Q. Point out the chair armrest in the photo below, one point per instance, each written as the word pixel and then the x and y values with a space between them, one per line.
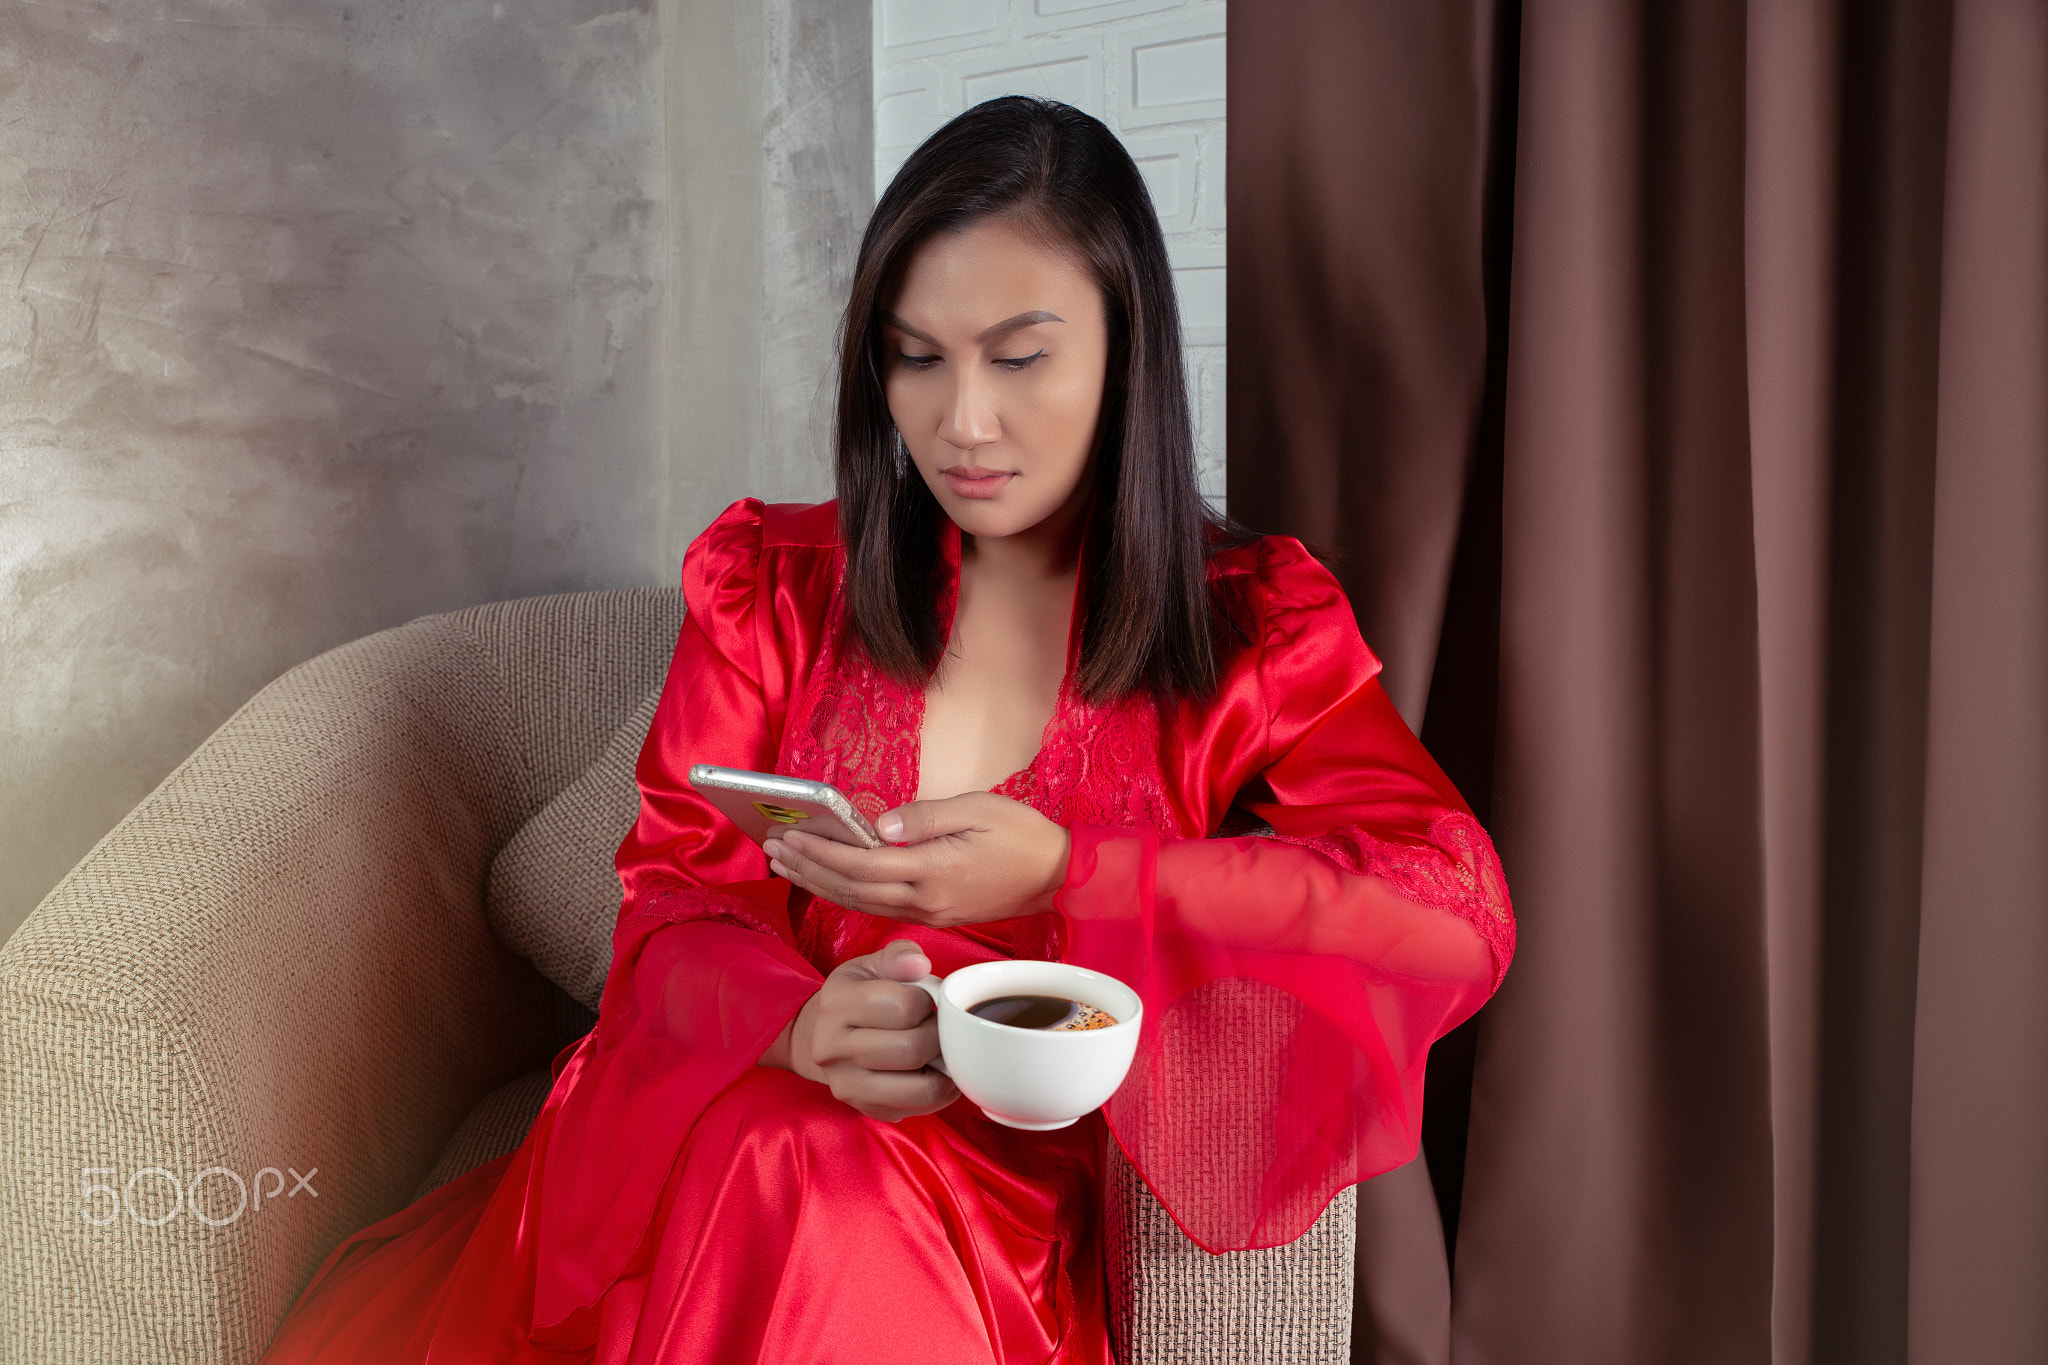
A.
pixel 279 960
pixel 1171 1301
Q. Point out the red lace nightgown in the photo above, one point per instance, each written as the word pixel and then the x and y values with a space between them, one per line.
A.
pixel 675 1202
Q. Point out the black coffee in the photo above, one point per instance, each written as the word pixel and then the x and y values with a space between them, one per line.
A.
pixel 1054 1012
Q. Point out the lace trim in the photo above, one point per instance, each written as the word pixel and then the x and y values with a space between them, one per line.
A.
pixel 860 730
pixel 1457 871
pixel 1099 765
pixel 684 903
pixel 851 733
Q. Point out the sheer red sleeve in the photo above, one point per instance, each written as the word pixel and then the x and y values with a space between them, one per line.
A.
pixel 1292 984
pixel 705 972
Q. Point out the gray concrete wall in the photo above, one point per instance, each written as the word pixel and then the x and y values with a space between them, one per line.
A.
pixel 771 137
pixel 315 317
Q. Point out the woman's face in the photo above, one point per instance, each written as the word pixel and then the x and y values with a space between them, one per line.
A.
pixel 996 348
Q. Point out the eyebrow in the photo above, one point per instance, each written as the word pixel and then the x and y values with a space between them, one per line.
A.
pixel 1000 330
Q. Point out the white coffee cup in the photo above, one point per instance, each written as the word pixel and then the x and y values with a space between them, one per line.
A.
pixel 1038 1079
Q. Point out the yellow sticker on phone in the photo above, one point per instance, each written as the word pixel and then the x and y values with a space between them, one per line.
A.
pixel 781 815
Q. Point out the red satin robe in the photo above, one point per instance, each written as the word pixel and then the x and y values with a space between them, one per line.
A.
pixel 675 1202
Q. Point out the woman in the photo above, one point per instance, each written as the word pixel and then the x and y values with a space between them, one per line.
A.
pixel 1019 642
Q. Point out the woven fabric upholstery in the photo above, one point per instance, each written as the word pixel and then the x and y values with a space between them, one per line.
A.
pixel 1172 1303
pixel 493 1128
pixel 573 667
pixel 554 892
pixel 280 959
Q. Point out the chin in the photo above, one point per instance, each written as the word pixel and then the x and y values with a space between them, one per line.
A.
pixel 993 518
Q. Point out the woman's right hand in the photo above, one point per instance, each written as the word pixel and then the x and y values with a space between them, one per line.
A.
pixel 868 1036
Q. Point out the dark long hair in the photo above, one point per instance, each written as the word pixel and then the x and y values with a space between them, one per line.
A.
pixel 1150 622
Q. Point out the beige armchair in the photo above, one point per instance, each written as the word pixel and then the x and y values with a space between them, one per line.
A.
pixel 324 967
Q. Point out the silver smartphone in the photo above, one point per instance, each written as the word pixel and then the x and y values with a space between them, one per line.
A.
pixel 764 804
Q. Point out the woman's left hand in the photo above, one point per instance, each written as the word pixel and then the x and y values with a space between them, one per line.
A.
pixel 963 860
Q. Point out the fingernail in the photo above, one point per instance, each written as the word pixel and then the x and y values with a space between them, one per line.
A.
pixel 890 827
pixel 773 848
pixel 777 868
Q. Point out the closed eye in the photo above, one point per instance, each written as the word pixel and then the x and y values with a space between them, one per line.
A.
pixel 1021 361
pixel 919 362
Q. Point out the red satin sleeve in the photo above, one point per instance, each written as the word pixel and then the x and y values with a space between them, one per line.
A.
pixel 682 850
pixel 705 972
pixel 1292 984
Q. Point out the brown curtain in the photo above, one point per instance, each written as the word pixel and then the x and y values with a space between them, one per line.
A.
pixel 1669 383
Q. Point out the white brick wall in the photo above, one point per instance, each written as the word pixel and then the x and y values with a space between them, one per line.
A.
pixel 1150 69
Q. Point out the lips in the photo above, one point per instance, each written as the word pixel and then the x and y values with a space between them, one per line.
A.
pixel 972 481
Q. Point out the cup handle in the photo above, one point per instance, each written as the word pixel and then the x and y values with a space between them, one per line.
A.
pixel 930 986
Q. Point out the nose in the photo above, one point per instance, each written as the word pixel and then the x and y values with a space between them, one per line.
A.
pixel 970 412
